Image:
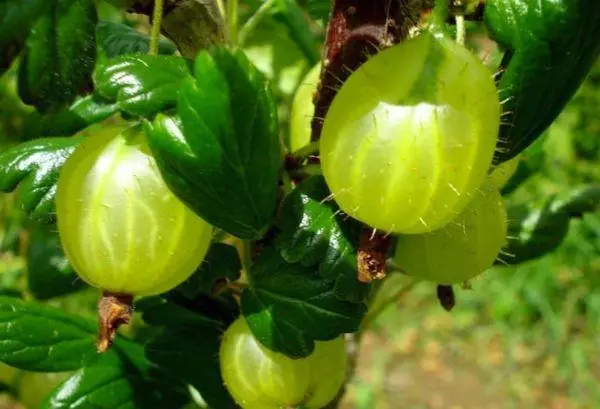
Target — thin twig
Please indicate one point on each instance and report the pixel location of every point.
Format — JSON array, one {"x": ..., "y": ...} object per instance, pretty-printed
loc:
[
  {"x": 156, "y": 22},
  {"x": 232, "y": 20}
]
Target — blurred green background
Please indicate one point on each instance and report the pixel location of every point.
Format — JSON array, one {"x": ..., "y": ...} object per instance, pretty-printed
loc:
[{"x": 522, "y": 337}]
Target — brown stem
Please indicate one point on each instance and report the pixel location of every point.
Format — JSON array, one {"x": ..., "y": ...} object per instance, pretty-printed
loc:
[
  {"x": 372, "y": 255},
  {"x": 446, "y": 296},
  {"x": 114, "y": 310}
]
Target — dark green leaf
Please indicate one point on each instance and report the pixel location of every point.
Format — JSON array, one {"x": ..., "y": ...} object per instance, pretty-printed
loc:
[
  {"x": 35, "y": 166},
  {"x": 192, "y": 355},
  {"x": 60, "y": 54},
  {"x": 221, "y": 263},
  {"x": 141, "y": 85},
  {"x": 113, "y": 380},
  {"x": 117, "y": 39},
  {"x": 537, "y": 229},
  {"x": 222, "y": 157},
  {"x": 315, "y": 233},
  {"x": 16, "y": 19},
  {"x": 160, "y": 310},
  {"x": 288, "y": 12},
  {"x": 49, "y": 273},
  {"x": 551, "y": 46},
  {"x": 289, "y": 306},
  {"x": 68, "y": 121},
  {"x": 34, "y": 337}
]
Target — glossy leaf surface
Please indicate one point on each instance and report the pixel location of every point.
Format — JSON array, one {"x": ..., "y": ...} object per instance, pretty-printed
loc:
[
  {"x": 60, "y": 54},
  {"x": 289, "y": 306},
  {"x": 221, "y": 154},
  {"x": 35, "y": 166},
  {"x": 141, "y": 85},
  {"x": 551, "y": 46},
  {"x": 316, "y": 234}
]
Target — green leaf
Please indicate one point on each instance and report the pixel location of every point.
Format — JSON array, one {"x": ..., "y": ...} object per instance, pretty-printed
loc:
[
  {"x": 38, "y": 338},
  {"x": 16, "y": 19},
  {"x": 60, "y": 54},
  {"x": 221, "y": 263},
  {"x": 113, "y": 380},
  {"x": 551, "y": 46},
  {"x": 537, "y": 229},
  {"x": 142, "y": 85},
  {"x": 289, "y": 13},
  {"x": 319, "y": 9},
  {"x": 222, "y": 156},
  {"x": 289, "y": 306},
  {"x": 84, "y": 112},
  {"x": 35, "y": 166},
  {"x": 117, "y": 39},
  {"x": 315, "y": 233},
  {"x": 49, "y": 273},
  {"x": 272, "y": 51}
]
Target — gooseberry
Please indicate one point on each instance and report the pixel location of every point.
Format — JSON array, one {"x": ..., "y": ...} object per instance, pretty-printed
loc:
[
  {"x": 259, "y": 378},
  {"x": 410, "y": 135},
  {"x": 303, "y": 110},
  {"x": 463, "y": 248},
  {"x": 121, "y": 228}
]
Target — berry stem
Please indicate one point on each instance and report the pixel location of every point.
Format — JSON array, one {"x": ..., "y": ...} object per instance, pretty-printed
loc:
[
  {"x": 445, "y": 294},
  {"x": 114, "y": 310},
  {"x": 372, "y": 255},
  {"x": 156, "y": 22}
]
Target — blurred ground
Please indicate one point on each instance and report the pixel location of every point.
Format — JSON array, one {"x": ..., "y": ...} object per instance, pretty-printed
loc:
[{"x": 522, "y": 338}]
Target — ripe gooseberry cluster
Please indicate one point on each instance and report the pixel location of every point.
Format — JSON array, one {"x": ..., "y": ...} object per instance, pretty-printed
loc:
[
  {"x": 406, "y": 148},
  {"x": 414, "y": 130}
]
